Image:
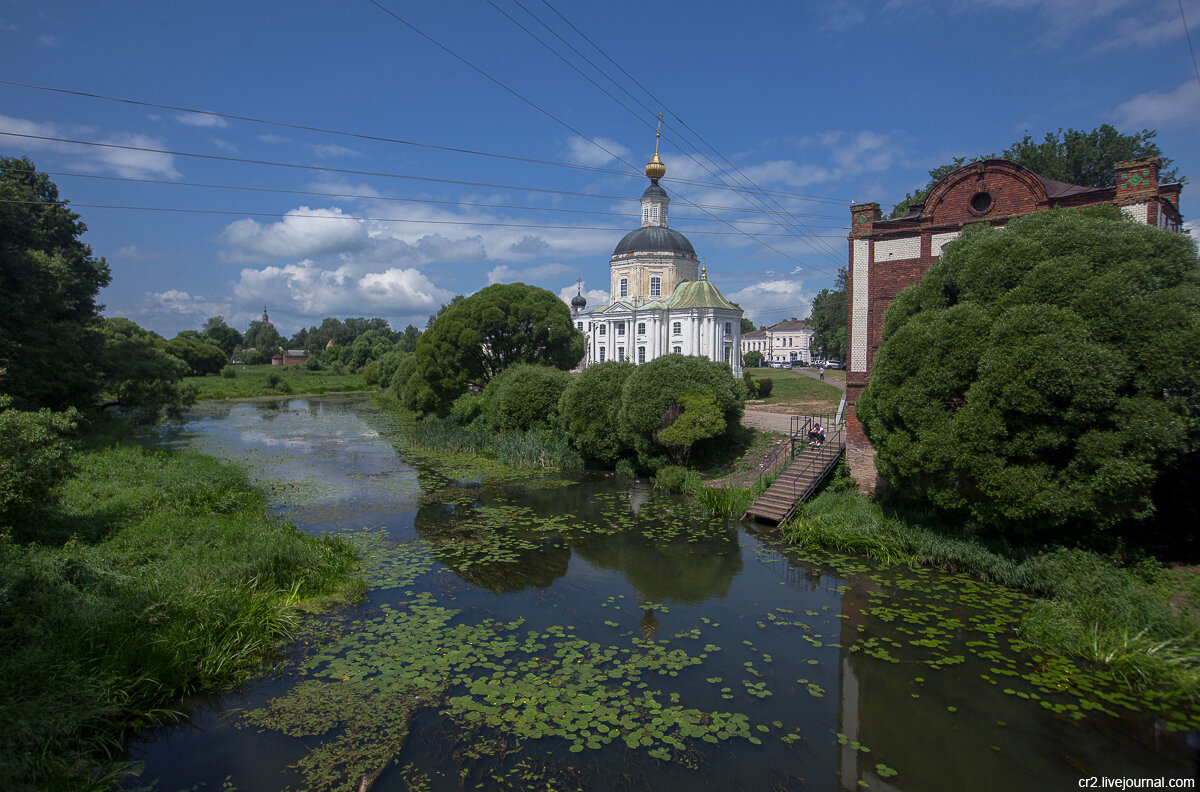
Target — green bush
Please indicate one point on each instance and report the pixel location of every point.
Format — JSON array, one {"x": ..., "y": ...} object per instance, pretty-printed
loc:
[
  {"x": 752, "y": 359},
  {"x": 764, "y": 387},
  {"x": 370, "y": 373},
  {"x": 751, "y": 385},
  {"x": 467, "y": 408},
  {"x": 35, "y": 455},
  {"x": 229, "y": 372},
  {"x": 524, "y": 396},
  {"x": 650, "y": 401},
  {"x": 670, "y": 479},
  {"x": 624, "y": 467},
  {"x": 590, "y": 407},
  {"x": 313, "y": 364}
]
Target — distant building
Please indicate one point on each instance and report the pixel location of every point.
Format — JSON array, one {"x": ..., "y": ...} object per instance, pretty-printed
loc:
[
  {"x": 888, "y": 255},
  {"x": 290, "y": 357},
  {"x": 789, "y": 341},
  {"x": 662, "y": 302}
]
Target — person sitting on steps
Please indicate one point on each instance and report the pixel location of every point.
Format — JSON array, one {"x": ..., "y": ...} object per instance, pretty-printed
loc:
[{"x": 816, "y": 436}]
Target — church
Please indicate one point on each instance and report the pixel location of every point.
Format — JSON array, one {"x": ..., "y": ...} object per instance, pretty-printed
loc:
[{"x": 661, "y": 301}]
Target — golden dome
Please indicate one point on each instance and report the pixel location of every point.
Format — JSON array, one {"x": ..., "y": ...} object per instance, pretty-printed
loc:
[{"x": 655, "y": 169}]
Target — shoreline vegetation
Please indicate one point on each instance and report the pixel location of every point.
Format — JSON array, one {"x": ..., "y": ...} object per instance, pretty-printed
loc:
[
  {"x": 159, "y": 575},
  {"x": 267, "y": 381}
]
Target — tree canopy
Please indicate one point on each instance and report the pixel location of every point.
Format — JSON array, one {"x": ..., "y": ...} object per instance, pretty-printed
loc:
[
  {"x": 474, "y": 339},
  {"x": 1073, "y": 156},
  {"x": 828, "y": 319},
  {"x": 49, "y": 282},
  {"x": 1041, "y": 376}
]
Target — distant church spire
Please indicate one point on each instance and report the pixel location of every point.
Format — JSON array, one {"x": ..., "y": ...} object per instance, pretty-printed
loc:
[
  {"x": 655, "y": 169},
  {"x": 654, "y": 199},
  {"x": 266, "y": 319}
]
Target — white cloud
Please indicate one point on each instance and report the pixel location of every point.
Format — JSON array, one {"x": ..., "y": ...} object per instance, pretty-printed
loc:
[
  {"x": 201, "y": 120},
  {"x": 48, "y": 41},
  {"x": 1180, "y": 107},
  {"x": 126, "y": 162},
  {"x": 769, "y": 301},
  {"x": 505, "y": 274},
  {"x": 223, "y": 145},
  {"x": 1192, "y": 227},
  {"x": 334, "y": 150},
  {"x": 603, "y": 152},
  {"x": 302, "y": 233}
]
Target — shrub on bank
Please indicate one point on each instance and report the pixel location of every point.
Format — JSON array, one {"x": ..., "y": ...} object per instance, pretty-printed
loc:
[
  {"x": 590, "y": 407},
  {"x": 524, "y": 396}
]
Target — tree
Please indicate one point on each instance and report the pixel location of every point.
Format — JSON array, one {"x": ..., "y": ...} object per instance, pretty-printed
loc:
[
  {"x": 828, "y": 319},
  {"x": 693, "y": 417},
  {"x": 473, "y": 340},
  {"x": 1041, "y": 378},
  {"x": 650, "y": 400},
  {"x": 263, "y": 337},
  {"x": 752, "y": 359},
  {"x": 590, "y": 408},
  {"x": 201, "y": 357},
  {"x": 369, "y": 346},
  {"x": 141, "y": 377},
  {"x": 747, "y": 326},
  {"x": 35, "y": 455},
  {"x": 1072, "y": 156},
  {"x": 215, "y": 331},
  {"x": 49, "y": 282},
  {"x": 524, "y": 396}
]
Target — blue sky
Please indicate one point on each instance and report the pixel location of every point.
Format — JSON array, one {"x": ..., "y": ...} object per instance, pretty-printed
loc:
[{"x": 822, "y": 103}]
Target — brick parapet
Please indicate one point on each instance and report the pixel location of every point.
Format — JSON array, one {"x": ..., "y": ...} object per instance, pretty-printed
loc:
[{"x": 860, "y": 456}]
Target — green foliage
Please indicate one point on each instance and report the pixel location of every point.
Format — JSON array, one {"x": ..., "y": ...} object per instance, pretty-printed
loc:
[
  {"x": 524, "y": 397},
  {"x": 216, "y": 332},
  {"x": 142, "y": 378},
  {"x": 752, "y": 359},
  {"x": 202, "y": 358},
  {"x": 828, "y": 319},
  {"x": 590, "y": 407},
  {"x": 35, "y": 455},
  {"x": 696, "y": 417},
  {"x": 1073, "y": 156},
  {"x": 187, "y": 587},
  {"x": 390, "y": 362},
  {"x": 229, "y": 372},
  {"x": 251, "y": 381},
  {"x": 764, "y": 386},
  {"x": 650, "y": 400},
  {"x": 264, "y": 338},
  {"x": 474, "y": 339},
  {"x": 671, "y": 479},
  {"x": 49, "y": 282},
  {"x": 467, "y": 408},
  {"x": 751, "y": 385},
  {"x": 1041, "y": 377},
  {"x": 371, "y": 345}
]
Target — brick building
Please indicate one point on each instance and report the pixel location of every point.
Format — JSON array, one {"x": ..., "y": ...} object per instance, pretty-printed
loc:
[{"x": 888, "y": 255}]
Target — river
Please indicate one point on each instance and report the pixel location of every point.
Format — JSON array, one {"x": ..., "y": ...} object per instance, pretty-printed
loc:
[{"x": 578, "y": 631}]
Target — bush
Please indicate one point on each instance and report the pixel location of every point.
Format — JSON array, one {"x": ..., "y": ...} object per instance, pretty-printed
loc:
[
  {"x": 467, "y": 408},
  {"x": 229, "y": 372},
  {"x": 671, "y": 479},
  {"x": 764, "y": 386},
  {"x": 313, "y": 363},
  {"x": 589, "y": 410},
  {"x": 650, "y": 401},
  {"x": 752, "y": 359},
  {"x": 524, "y": 396},
  {"x": 751, "y": 385},
  {"x": 35, "y": 455},
  {"x": 624, "y": 467}
]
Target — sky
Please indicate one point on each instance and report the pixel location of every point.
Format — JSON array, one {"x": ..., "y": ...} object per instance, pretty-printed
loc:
[{"x": 377, "y": 157}]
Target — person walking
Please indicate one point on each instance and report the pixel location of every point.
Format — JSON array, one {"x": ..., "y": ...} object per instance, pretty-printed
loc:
[{"x": 822, "y": 373}]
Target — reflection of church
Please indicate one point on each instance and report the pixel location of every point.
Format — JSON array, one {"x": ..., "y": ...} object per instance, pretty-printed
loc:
[{"x": 660, "y": 304}]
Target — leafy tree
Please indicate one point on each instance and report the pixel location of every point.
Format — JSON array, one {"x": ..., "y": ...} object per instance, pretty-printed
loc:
[
  {"x": 142, "y": 378},
  {"x": 1073, "y": 156},
  {"x": 264, "y": 338},
  {"x": 407, "y": 342},
  {"x": 524, "y": 396},
  {"x": 590, "y": 408},
  {"x": 35, "y": 454},
  {"x": 747, "y": 326},
  {"x": 828, "y": 319},
  {"x": 474, "y": 339},
  {"x": 650, "y": 400},
  {"x": 1041, "y": 377},
  {"x": 215, "y": 331},
  {"x": 696, "y": 418},
  {"x": 369, "y": 346},
  {"x": 49, "y": 282},
  {"x": 752, "y": 359},
  {"x": 202, "y": 358}
]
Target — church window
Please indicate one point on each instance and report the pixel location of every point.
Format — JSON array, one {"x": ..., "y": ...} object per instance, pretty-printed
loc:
[
  {"x": 654, "y": 214},
  {"x": 645, "y": 214},
  {"x": 677, "y": 328},
  {"x": 726, "y": 354},
  {"x": 655, "y": 286},
  {"x": 602, "y": 329},
  {"x": 641, "y": 355},
  {"x": 728, "y": 328},
  {"x": 641, "y": 328},
  {"x": 601, "y": 354},
  {"x": 624, "y": 287},
  {"x": 621, "y": 329},
  {"x": 621, "y": 354},
  {"x": 579, "y": 325},
  {"x": 676, "y": 350}
]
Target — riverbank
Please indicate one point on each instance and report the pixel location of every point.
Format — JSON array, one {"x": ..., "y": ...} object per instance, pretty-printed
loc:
[
  {"x": 159, "y": 575},
  {"x": 1140, "y": 620},
  {"x": 243, "y": 382}
]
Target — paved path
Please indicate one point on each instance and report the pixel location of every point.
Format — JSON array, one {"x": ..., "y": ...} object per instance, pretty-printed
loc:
[
  {"x": 816, "y": 374},
  {"x": 768, "y": 421}
]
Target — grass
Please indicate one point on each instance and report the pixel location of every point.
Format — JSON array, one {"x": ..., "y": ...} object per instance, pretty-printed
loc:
[
  {"x": 1139, "y": 620},
  {"x": 160, "y": 575},
  {"x": 795, "y": 389},
  {"x": 251, "y": 381}
]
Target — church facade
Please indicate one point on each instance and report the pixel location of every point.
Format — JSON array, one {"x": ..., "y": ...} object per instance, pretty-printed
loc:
[{"x": 661, "y": 301}]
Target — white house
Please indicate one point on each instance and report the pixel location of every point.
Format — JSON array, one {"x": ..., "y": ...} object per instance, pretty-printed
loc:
[
  {"x": 660, "y": 304},
  {"x": 783, "y": 342}
]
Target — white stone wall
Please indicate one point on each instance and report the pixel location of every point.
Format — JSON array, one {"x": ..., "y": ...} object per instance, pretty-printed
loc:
[
  {"x": 939, "y": 241},
  {"x": 896, "y": 249},
  {"x": 860, "y": 269},
  {"x": 1138, "y": 211}
]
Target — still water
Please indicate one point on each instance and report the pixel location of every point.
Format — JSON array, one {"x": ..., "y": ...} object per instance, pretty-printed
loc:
[{"x": 546, "y": 631}]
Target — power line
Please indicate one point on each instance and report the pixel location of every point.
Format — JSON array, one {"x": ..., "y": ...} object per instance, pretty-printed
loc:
[
  {"x": 370, "y": 197},
  {"x": 634, "y": 173},
  {"x": 342, "y": 217},
  {"x": 1186, "y": 32}
]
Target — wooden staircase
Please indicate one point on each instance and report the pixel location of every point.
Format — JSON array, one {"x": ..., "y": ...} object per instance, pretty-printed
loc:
[{"x": 798, "y": 481}]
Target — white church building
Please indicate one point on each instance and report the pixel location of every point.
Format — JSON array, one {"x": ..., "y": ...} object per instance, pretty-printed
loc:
[{"x": 662, "y": 302}]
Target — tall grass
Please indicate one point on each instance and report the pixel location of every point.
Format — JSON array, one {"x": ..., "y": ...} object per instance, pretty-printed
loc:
[
  {"x": 1138, "y": 620},
  {"x": 535, "y": 448},
  {"x": 171, "y": 580}
]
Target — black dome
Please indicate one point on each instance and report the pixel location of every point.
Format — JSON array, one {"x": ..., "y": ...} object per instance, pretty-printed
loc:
[
  {"x": 578, "y": 301},
  {"x": 655, "y": 239},
  {"x": 654, "y": 191}
]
